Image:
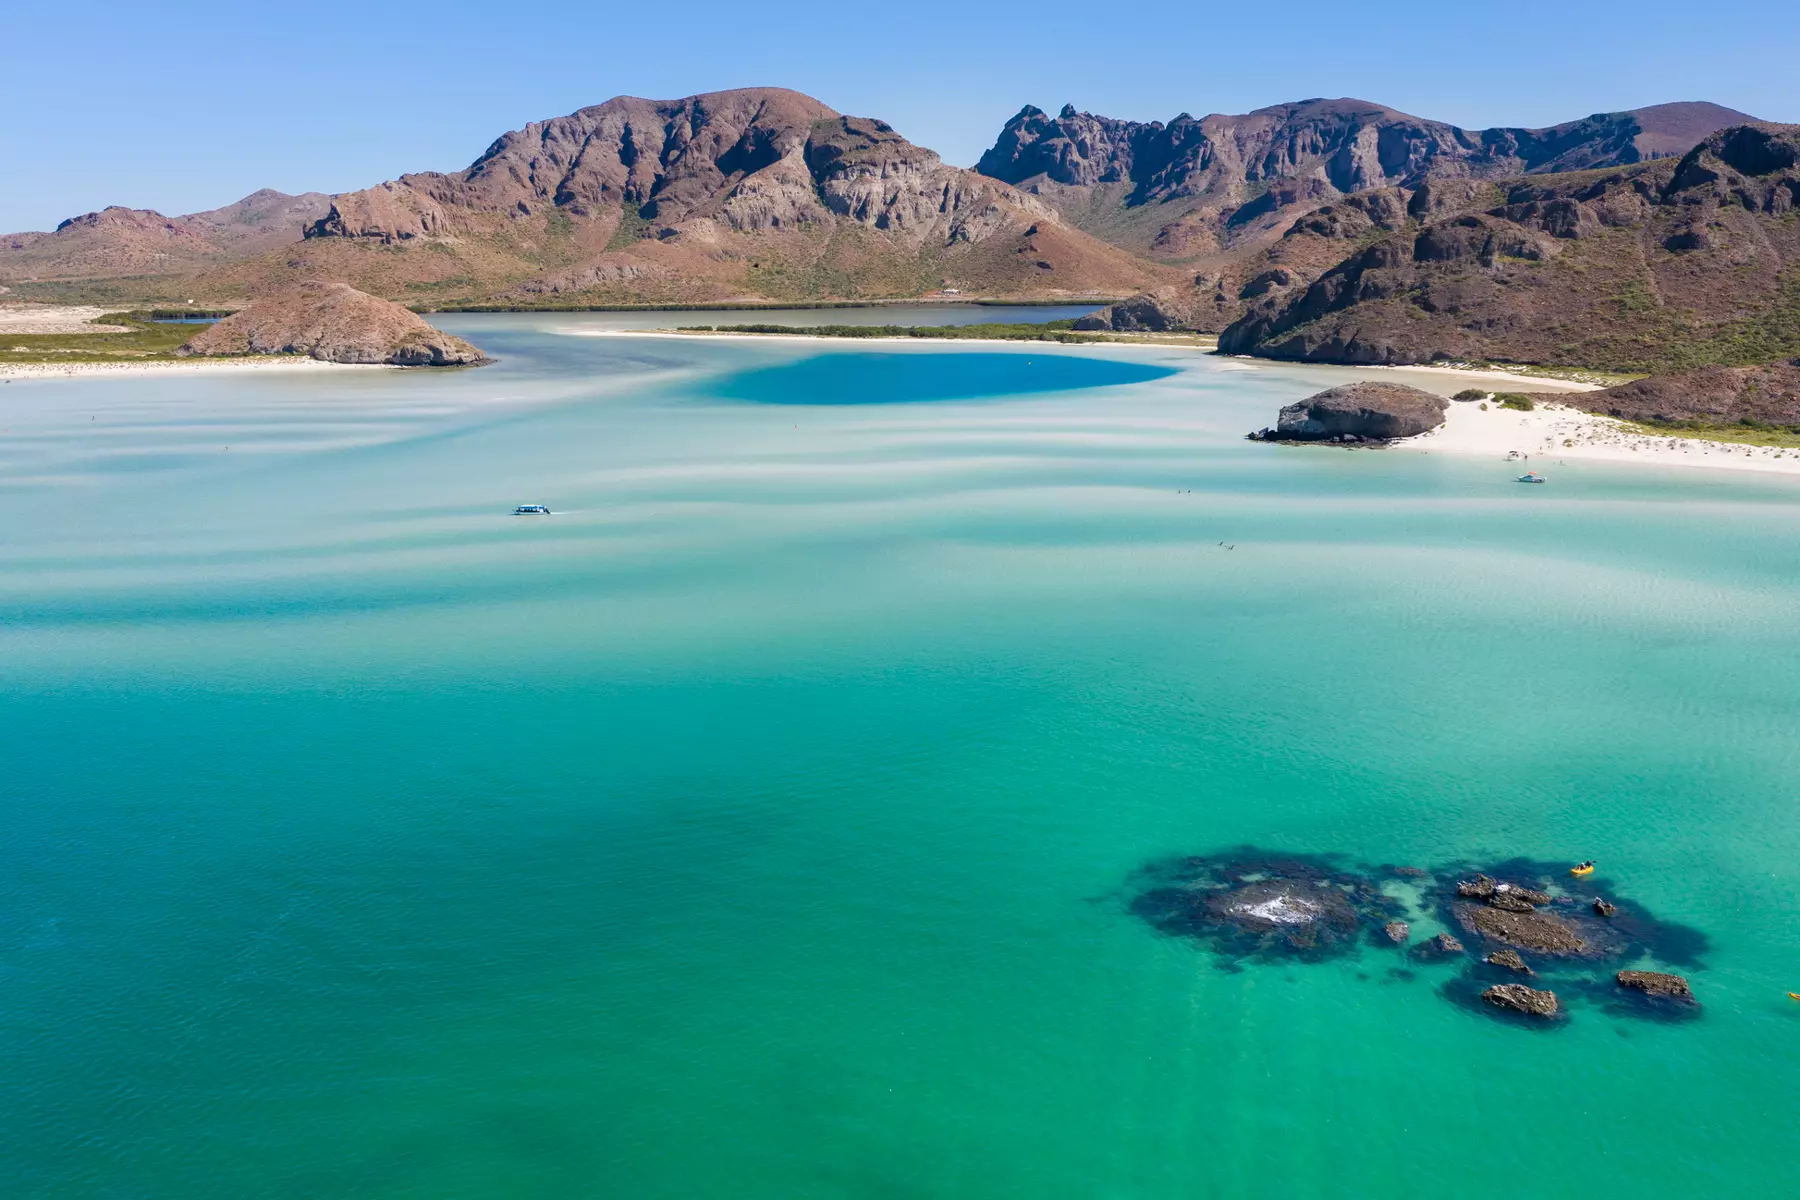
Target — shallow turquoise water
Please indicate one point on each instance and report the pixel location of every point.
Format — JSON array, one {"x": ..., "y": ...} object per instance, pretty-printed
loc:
[{"x": 759, "y": 824}]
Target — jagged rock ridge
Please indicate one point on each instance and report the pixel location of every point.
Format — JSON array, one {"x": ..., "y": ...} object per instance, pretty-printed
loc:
[
  {"x": 707, "y": 185},
  {"x": 1662, "y": 265}
]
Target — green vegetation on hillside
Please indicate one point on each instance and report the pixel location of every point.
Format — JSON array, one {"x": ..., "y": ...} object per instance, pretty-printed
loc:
[
  {"x": 633, "y": 227},
  {"x": 1746, "y": 431}
]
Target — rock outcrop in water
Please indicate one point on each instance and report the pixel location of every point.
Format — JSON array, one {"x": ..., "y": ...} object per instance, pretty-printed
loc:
[
  {"x": 333, "y": 322},
  {"x": 1251, "y": 904},
  {"x": 1360, "y": 411},
  {"x": 1441, "y": 946},
  {"x": 1657, "y": 984},
  {"x": 1257, "y": 905},
  {"x": 1516, "y": 997}
]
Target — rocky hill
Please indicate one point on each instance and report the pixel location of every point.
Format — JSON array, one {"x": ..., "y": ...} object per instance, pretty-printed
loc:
[
  {"x": 139, "y": 241},
  {"x": 1705, "y": 397},
  {"x": 1178, "y": 188},
  {"x": 758, "y": 193},
  {"x": 1217, "y": 194},
  {"x": 333, "y": 322},
  {"x": 1657, "y": 266}
]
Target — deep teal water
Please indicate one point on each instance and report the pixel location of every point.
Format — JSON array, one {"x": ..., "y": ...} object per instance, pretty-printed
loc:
[{"x": 759, "y": 824}]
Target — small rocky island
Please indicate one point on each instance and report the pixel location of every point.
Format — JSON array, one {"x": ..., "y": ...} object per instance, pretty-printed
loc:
[
  {"x": 1501, "y": 922},
  {"x": 1358, "y": 413},
  {"x": 333, "y": 322}
]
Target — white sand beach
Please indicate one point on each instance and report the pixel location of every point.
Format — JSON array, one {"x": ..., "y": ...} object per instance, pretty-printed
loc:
[{"x": 1551, "y": 433}]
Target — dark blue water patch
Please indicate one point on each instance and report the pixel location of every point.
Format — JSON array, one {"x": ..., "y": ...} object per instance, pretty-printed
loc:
[{"x": 864, "y": 378}]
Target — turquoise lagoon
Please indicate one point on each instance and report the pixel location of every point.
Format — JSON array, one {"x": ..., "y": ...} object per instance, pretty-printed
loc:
[{"x": 760, "y": 824}]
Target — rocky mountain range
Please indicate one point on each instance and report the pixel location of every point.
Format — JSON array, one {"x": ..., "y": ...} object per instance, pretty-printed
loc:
[
  {"x": 1324, "y": 230},
  {"x": 754, "y": 193},
  {"x": 120, "y": 241},
  {"x": 1232, "y": 169},
  {"x": 1669, "y": 264}
]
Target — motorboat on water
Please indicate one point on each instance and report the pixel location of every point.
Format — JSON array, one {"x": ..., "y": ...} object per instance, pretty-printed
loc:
[
  {"x": 1532, "y": 477},
  {"x": 532, "y": 510}
]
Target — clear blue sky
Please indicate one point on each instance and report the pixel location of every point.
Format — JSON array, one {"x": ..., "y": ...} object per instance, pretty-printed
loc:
[{"x": 181, "y": 106}]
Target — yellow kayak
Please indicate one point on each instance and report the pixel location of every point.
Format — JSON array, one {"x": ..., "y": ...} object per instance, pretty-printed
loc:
[
  {"x": 1581, "y": 870},
  {"x": 1794, "y": 995}
]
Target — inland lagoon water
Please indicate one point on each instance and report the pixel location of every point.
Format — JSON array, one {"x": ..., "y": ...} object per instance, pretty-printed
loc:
[{"x": 764, "y": 822}]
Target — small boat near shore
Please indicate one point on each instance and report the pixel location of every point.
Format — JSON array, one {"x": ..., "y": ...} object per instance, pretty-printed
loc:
[
  {"x": 532, "y": 510},
  {"x": 1532, "y": 477}
]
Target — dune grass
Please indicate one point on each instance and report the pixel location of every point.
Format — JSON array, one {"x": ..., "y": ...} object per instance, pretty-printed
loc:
[{"x": 140, "y": 339}]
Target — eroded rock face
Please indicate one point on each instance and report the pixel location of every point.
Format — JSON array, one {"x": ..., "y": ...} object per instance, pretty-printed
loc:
[
  {"x": 333, "y": 322},
  {"x": 1516, "y": 997},
  {"x": 1376, "y": 410},
  {"x": 1159, "y": 311}
]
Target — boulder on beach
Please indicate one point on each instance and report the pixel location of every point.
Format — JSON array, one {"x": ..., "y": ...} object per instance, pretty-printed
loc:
[
  {"x": 1516, "y": 997},
  {"x": 1362, "y": 410},
  {"x": 333, "y": 322}
]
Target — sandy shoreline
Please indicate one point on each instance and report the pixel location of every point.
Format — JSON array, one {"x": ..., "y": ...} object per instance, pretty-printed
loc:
[
  {"x": 295, "y": 362},
  {"x": 1552, "y": 434},
  {"x": 1540, "y": 439}
]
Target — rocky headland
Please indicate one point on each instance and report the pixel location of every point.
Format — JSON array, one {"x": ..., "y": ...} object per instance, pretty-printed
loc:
[
  {"x": 332, "y": 322},
  {"x": 1358, "y": 413}
]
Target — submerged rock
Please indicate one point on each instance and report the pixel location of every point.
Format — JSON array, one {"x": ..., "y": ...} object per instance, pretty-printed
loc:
[
  {"x": 1253, "y": 903},
  {"x": 1397, "y": 932},
  {"x": 1538, "y": 931},
  {"x": 1510, "y": 960},
  {"x": 1434, "y": 948},
  {"x": 1516, "y": 997},
  {"x": 1362, "y": 410},
  {"x": 1657, "y": 984},
  {"x": 1603, "y": 908},
  {"x": 1510, "y": 902}
]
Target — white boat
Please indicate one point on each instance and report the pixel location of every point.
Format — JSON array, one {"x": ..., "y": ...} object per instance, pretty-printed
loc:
[{"x": 1532, "y": 477}]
